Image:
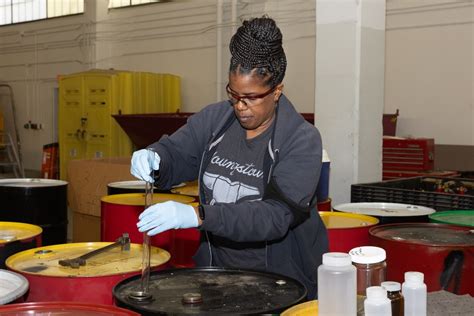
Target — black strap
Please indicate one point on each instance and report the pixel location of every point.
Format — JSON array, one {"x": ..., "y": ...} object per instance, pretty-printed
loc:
[{"x": 453, "y": 264}]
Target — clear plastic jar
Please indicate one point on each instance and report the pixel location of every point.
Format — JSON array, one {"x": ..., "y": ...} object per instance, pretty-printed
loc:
[
  {"x": 377, "y": 302},
  {"x": 336, "y": 285},
  {"x": 371, "y": 267},
  {"x": 415, "y": 294}
]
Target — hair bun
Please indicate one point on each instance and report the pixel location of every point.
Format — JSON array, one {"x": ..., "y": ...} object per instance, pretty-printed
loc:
[{"x": 258, "y": 44}]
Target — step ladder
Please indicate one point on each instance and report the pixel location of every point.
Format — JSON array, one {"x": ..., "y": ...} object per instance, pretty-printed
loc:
[
  {"x": 10, "y": 163},
  {"x": 10, "y": 153}
]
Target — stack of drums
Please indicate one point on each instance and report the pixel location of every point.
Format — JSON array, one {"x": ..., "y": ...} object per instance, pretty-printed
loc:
[
  {"x": 63, "y": 309},
  {"x": 119, "y": 214},
  {"x": 347, "y": 231},
  {"x": 42, "y": 202},
  {"x": 16, "y": 237},
  {"x": 92, "y": 282},
  {"x": 212, "y": 291},
  {"x": 444, "y": 253}
]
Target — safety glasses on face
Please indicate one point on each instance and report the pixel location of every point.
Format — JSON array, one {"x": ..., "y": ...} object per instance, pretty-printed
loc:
[{"x": 247, "y": 100}]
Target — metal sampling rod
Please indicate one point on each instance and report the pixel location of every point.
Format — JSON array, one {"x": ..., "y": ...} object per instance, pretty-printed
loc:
[
  {"x": 146, "y": 239},
  {"x": 142, "y": 295}
]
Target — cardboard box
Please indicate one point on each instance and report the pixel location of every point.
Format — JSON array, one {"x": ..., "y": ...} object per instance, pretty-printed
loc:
[
  {"x": 88, "y": 180},
  {"x": 85, "y": 228}
]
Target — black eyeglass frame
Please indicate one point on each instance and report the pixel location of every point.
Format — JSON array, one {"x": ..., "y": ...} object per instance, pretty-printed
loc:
[{"x": 250, "y": 98}]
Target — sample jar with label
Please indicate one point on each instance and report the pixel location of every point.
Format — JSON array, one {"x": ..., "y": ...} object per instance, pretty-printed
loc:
[
  {"x": 394, "y": 294},
  {"x": 371, "y": 267}
]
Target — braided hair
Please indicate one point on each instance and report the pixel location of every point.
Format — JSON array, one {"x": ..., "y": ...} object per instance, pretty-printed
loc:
[{"x": 257, "y": 44}]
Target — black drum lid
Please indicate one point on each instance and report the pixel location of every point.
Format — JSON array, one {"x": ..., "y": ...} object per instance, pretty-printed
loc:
[{"x": 223, "y": 291}]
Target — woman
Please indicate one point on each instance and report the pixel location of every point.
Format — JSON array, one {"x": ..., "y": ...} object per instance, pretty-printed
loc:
[{"x": 258, "y": 163}]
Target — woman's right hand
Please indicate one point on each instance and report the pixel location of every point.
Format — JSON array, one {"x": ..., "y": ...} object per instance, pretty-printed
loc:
[{"x": 144, "y": 161}]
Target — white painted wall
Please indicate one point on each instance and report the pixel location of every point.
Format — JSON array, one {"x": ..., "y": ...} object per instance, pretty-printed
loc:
[
  {"x": 31, "y": 57},
  {"x": 429, "y": 63},
  {"x": 178, "y": 37},
  {"x": 429, "y": 69},
  {"x": 349, "y": 70}
]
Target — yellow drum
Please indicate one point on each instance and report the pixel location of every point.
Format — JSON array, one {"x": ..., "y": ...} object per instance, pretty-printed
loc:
[
  {"x": 309, "y": 308},
  {"x": 347, "y": 231},
  {"x": 16, "y": 237},
  {"x": 189, "y": 188},
  {"x": 93, "y": 282}
]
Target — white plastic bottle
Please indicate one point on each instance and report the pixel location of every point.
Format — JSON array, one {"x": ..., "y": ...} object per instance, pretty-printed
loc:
[
  {"x": 337, "y": 285},
  {"x": 414, "y": 293},
  {"x": 377, "y": 303}
]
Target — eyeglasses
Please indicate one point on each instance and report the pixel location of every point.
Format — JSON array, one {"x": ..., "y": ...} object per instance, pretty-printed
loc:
[{"x": 248, "y": 100}]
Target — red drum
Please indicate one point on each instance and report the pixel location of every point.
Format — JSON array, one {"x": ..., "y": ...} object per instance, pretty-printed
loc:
[
  {"x": 324, "y": 206},
  {"x": 184, "y": 246},
  {"x": 347, "y": 231},
  {"x": 185, "y": 241},
  {"x": 92, "y": 282},
  {"x": 63, "y": 309},
  {"x": 16, "y": 237},
  {"x": 119, "y": 214},
  {"x": 444, "y": 253}
]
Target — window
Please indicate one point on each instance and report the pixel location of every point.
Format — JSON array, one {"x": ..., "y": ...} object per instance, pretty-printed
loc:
[
  {"x": 128, "y": 3},
  {"x": 16, "y": 11}
]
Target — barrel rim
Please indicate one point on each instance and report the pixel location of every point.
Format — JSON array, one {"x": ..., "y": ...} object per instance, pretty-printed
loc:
[
  {"x": 116, "y": 184},
  {"x": 36, "y": 230},
  {"x": 113, "y": 198},
  {"x": 42, "y": 306},
  {"x": 17, "y": 255},
  {"x": 375, "y": 229},
  {"x": 372, "y": 219},
  {"x": 52, "y": 182},
  {"x": 302, "y": 308},
  {"x": 438, "y": 217},
  {"x": 422, "y": 210}
]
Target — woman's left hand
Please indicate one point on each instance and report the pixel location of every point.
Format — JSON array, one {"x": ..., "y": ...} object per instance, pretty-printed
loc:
[{"x": 168, "y": 215}]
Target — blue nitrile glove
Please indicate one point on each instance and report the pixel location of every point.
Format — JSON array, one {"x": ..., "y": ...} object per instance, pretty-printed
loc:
[
  {"x": 144, "y": 161},
  {"x": 168, "y": 215}
]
